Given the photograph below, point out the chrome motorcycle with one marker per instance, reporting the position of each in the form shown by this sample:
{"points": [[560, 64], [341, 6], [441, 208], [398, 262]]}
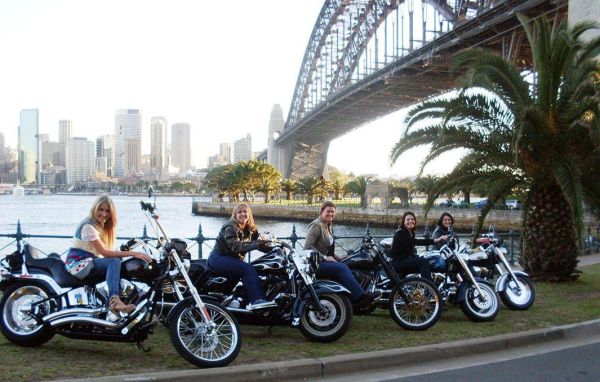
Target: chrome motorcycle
{"points": [[41, 299], [320, 308], [489, 262], [413, 302], [475, 296]]}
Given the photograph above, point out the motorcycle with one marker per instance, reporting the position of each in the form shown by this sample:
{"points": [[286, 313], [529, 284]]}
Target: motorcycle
{"points": [[475, 296], [413, 302], [489, 262], [320, 308], [42, 299]]}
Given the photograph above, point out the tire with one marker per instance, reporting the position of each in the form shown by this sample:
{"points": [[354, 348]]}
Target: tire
{"points": [[476, 309], [16, 324], [197, 343], [330, 325], [424, 309], [518, 299]]}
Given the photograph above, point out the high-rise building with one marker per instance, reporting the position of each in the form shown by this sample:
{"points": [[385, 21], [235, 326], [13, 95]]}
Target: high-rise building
{"points": [[242, 149], [29, 146], [225, 152], [43, 138], [180, 146], [128, 142], [104, 149], [65, 130], [81, 160], [276, 126], [158, 144], [51, 153], [2, 157]]}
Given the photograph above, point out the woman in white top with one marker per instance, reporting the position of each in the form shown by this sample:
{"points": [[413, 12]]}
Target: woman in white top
{"points": [[95, 237]]}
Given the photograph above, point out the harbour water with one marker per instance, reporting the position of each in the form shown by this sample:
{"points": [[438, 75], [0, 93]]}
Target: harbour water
{"points": [[60, 214]]}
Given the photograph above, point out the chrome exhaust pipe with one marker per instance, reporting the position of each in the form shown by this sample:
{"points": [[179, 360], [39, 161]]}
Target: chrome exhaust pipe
{"points": [[71, 312], [85, 320]]}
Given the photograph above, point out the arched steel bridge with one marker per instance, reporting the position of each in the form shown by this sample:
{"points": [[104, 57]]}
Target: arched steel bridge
{"points": [[368, 58]]}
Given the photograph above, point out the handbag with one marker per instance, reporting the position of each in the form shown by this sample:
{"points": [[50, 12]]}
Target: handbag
{"points": [[82, 268]]}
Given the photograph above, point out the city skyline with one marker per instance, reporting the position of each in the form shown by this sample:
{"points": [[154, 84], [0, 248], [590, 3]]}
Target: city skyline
{"points": [[223, 85]]}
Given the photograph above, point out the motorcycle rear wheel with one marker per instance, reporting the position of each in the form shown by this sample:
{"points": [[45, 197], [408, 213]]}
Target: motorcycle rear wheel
{"points": [[520, 299], [16, 323], [480, 310], [332, 323], [422, 310], [199, 343]]}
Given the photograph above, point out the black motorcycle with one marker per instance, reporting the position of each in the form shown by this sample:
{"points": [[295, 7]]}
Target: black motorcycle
{"points": [[413, 302], [320, 308], [458, 285], [42, 299], [489, 262]]}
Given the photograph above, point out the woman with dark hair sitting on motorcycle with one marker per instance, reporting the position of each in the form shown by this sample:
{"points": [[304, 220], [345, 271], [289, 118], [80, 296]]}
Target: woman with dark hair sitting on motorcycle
{"points": [[404, 253], [444, 228], [320, 238], [95, 237], [236, 238]]}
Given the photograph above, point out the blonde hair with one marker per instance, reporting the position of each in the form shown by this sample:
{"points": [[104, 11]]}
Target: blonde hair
{"points": [[107, 230], [250, 223]]}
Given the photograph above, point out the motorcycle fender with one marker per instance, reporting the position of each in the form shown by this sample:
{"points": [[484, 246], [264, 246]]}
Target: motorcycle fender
{"points": [[37, 276], [462, 289], [205, 298], [320, 286], [502, 280]]}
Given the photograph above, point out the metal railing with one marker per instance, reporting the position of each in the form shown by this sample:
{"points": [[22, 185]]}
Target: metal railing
{"points": [[343, 243]]}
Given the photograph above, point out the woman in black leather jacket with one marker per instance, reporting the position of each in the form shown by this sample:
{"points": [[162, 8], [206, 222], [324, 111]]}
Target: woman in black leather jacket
{"points": [[404, 253]]}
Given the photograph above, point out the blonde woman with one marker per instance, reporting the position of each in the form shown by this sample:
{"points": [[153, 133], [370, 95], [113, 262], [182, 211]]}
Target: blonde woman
{"points": [[95, 237], [236, 238]]}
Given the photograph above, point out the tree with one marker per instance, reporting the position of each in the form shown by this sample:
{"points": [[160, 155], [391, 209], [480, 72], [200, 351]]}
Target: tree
{"points": [[358, 186], [338, 186], [426, 185], [541, 139], [267, 186], [288, 186], [309, 186]]}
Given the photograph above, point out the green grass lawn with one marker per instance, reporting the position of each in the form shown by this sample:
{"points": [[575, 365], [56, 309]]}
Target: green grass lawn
{"points": [[555, 304]]}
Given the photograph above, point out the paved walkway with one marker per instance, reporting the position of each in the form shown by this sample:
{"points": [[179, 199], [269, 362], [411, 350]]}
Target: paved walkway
{"points": [[317, 368]]}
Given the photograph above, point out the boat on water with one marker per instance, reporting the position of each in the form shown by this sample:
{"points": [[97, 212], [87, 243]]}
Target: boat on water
{"points": [[18, 190]]}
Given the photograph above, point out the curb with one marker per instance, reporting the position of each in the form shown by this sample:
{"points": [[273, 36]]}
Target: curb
{"points": [[348, 363]]}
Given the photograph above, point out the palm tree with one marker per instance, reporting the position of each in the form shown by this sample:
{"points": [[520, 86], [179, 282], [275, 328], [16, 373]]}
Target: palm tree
{"points": [[268, 186], [426, 185], [288, 186], [541, 139], [358, 186], [337, 185], [309, 186]]}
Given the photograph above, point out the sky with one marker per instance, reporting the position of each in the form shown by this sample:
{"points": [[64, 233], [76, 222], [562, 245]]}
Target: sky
{"points": [[218, 65]]}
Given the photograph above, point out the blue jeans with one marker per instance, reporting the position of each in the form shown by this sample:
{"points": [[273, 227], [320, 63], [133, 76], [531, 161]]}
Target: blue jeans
{"points": [[111, 267], [231, 267], [340, 273]]}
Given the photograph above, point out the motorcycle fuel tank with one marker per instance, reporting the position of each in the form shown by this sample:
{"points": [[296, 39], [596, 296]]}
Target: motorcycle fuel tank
{"points": [[139, 269], [361, 259]]}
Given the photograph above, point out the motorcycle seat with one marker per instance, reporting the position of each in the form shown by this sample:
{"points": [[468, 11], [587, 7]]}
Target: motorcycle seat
{"points": [[56, 268]]}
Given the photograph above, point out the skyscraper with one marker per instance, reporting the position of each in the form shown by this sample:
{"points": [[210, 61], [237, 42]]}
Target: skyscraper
{"points": [[65, 133], [29, 146], [225, 152], [242, 149], [274, 152], [104, 150], [81, 163], [158, 144], [180, 146], [2, 157], [128, 142]]}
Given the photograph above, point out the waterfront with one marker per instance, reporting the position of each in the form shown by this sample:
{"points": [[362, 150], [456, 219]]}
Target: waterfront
{"points": [[60, 214]]}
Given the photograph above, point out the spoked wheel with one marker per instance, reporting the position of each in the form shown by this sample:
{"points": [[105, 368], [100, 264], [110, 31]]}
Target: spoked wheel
{"points": [[203, 343], [519, 294], [421, 309], [17, 322], [480, 308], [331, 323]]}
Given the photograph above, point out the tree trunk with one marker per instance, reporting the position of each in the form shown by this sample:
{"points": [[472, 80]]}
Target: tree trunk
{"points": [[267, 197], [549, 243], [288, 194]]}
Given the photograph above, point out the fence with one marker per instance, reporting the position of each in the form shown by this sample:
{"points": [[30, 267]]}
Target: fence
{"points": [[343, 243]]}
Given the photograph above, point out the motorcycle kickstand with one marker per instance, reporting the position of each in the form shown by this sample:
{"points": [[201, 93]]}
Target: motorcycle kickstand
{"points": [[142, 348]]}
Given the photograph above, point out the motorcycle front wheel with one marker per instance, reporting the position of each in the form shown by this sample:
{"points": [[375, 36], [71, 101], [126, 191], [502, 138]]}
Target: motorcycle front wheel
{"points": [[16, 320], [480, 308], [422, 307], [518, 294], [202, 343], [331, 323]]}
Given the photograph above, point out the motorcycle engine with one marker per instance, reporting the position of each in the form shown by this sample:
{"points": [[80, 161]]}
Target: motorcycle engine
{"points": [[362, 278]]}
